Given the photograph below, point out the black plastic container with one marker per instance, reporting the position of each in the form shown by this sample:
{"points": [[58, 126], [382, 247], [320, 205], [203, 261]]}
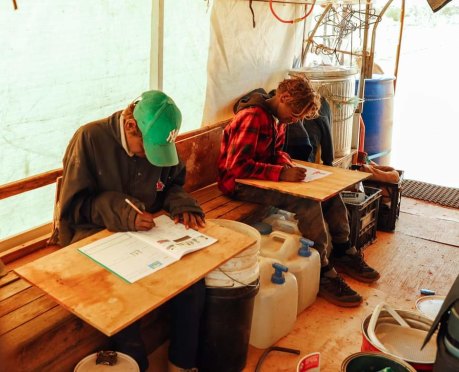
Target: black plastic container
{"points": [[225, 332], [389, 207], [363, 218]]}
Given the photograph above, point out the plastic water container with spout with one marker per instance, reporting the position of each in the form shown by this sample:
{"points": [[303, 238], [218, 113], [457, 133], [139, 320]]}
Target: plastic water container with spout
{"points": [[275, 309], [296, 253], [283, 221]]}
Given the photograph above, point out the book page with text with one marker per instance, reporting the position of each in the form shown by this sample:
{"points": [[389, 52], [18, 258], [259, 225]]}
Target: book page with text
{"points": [[134, 255], [174, 238], [128, 257]]}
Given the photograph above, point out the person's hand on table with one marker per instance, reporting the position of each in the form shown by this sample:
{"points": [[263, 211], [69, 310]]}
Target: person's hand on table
{"points": [[190, 220]]}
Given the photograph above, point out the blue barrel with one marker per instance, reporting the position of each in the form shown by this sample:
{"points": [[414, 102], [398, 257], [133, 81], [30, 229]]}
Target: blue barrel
{"points": [[378, 113]]}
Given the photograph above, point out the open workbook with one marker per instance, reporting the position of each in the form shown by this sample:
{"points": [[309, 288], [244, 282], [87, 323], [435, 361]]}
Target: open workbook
{"points": [[134, 255]]}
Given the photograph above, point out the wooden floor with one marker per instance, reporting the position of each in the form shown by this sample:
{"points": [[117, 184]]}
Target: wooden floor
{"points": [[422, 252]]}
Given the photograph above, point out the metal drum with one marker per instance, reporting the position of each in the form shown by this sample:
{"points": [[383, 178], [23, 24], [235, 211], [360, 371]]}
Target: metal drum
{"points": [[337, 85]]}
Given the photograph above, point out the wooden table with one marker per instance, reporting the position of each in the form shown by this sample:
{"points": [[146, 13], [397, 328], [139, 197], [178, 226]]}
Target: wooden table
{"points": [[320, 189], [109, 303]]}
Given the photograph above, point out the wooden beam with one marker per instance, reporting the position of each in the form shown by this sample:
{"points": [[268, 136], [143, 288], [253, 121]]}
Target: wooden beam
{"points": [[24, 249], [30, 183]]}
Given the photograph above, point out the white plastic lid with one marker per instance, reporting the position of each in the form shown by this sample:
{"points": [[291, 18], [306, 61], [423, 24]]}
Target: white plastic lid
{"points": [[124, 364], [430, 305]]}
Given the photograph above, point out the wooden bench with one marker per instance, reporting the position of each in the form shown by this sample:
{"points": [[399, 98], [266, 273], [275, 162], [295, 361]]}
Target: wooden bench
{"points": [[36, 334]]}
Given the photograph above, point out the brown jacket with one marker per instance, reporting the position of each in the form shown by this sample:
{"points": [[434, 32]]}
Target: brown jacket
{"points": [[99, 174]]}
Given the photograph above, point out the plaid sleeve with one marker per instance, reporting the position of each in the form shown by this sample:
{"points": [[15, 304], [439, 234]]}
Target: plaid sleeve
{"points": [[244, 145], [281, 156]]}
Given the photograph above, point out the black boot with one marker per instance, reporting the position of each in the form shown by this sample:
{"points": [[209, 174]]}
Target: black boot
{"points": [[348, 260], [334, 289]]}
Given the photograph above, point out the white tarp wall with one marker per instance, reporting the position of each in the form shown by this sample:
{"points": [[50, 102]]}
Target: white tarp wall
{"points": [[62, 64], [242, 58]]}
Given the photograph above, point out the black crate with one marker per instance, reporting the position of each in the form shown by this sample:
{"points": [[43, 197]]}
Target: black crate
{"points": [[363, 218], [389, 206]]}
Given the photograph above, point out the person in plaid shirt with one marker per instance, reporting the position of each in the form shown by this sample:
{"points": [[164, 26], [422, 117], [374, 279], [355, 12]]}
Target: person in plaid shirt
{"points": [[252, 148]]}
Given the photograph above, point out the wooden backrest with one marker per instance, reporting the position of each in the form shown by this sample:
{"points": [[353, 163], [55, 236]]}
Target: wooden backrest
{"points": [[199, 150]]}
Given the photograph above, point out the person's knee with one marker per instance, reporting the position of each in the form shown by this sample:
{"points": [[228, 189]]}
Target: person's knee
{"points": [[307, 209]]}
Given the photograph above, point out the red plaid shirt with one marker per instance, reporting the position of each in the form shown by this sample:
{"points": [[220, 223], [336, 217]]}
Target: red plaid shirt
{"points": [[251, 148]]}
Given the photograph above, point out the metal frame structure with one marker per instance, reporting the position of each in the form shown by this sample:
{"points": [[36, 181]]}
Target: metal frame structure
{"points": [[367, 54]]}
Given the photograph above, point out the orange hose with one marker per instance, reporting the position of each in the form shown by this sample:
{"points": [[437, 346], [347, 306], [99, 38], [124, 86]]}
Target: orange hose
{"points": [[291, 20]]}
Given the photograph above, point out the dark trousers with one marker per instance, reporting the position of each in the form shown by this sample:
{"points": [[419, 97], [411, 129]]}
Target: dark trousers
{"points": [[186, 311]]}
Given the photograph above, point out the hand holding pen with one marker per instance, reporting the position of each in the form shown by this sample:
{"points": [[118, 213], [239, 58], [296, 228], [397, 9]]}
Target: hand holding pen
{"points": [[143, 220], [292, 174]]}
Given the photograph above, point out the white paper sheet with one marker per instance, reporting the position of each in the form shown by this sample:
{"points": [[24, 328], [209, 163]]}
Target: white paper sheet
{"points": [[313, 173]]}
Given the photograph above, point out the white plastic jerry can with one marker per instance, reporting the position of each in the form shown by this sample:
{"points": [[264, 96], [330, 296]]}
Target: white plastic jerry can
{"points": [[275, 308], [296, 253], [283, 222]]}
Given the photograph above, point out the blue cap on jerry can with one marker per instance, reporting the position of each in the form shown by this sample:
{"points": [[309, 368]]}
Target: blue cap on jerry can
{"points": [[278, 276]]}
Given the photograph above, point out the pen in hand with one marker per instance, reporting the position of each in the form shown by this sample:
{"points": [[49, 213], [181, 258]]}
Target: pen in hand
{"points": [[143, 220], [133, 206], [293, 174]]}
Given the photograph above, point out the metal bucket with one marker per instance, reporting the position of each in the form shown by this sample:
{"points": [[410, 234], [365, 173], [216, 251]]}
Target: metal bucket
{"points": [[413, 319], [337, 85], [374, 362]]}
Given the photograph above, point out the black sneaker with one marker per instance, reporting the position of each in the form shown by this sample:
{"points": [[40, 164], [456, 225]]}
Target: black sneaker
{"points": [[355, 266], [336, 291]]}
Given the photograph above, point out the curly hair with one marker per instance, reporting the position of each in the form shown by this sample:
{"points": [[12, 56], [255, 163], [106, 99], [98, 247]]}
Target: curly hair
{"points": [[302, 97]]}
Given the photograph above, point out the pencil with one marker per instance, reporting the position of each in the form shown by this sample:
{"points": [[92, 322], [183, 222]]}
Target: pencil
{"points": [[133, 206]]}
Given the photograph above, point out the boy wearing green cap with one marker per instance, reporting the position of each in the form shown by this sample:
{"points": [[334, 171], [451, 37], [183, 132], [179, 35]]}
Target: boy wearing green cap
{"points": [[132, 155]]}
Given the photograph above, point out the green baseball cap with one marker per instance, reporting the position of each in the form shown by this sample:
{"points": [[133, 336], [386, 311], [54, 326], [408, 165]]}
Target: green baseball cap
{"points": [[159, 120]]}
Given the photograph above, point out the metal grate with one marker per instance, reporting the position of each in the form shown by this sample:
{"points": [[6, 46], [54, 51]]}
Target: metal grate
{"points": [[447, 196]]}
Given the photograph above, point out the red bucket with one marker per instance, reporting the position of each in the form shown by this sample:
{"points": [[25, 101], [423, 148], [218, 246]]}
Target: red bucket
{"points": [[413, 320]]}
